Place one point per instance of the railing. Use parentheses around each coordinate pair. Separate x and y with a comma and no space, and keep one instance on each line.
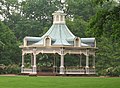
(79,71)
(70,70)
(26,70)
(92,71)
(74,71)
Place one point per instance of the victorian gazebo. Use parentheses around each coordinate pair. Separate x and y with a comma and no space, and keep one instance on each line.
(59,40)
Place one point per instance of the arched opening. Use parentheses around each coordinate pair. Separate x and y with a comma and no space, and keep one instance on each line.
(47,41)
(57,18)
(77,42)
(61,18)
(48,64)
(75,64)
(27,63)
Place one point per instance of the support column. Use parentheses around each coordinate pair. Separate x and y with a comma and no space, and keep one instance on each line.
(87,64)
(22,67)
(94,72)
(34,64)
(94,61)
(62,68)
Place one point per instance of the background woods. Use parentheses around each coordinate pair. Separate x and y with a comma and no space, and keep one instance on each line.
(85,18)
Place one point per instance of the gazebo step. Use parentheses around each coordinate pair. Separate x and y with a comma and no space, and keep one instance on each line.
(31,74)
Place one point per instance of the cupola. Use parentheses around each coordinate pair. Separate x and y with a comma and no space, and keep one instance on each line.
(59,17)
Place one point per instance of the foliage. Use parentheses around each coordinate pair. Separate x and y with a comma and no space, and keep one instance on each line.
(111,71)
(82,8)
(9,51)
(78,26)
(85,18)
(10,69)
(105,26)
(31,18)
(106,20)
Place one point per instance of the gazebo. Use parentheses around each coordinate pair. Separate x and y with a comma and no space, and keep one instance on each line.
(59,40)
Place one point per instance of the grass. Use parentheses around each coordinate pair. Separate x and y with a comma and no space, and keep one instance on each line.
(58,82)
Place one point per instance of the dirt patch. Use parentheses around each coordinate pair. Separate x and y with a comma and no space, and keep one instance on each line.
(8,75)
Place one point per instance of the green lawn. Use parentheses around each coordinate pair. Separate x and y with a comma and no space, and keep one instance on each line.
(58,82)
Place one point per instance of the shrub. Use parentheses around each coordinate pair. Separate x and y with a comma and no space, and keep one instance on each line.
(113,71)
(10,69)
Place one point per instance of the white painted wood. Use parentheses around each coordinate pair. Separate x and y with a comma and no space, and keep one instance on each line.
(22,60)
(62,64)
(94,61)
(87,61)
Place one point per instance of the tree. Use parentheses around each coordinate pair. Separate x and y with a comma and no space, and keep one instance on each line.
(85,18)
(34,18)
(31,18)
(78,14)
(83,8)
(9,52)
(106,28)
(77,26)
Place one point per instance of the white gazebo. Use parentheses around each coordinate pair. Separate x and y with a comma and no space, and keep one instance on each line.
(59,40)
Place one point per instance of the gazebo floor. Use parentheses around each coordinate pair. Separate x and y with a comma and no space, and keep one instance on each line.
(56,74)
(67,72)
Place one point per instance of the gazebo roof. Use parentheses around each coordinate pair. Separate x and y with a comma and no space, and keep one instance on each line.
(59,34)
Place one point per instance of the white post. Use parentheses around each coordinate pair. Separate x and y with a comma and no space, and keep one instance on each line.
(87,64)
(87,61)
(34,63)
(94,61)
(54,64)
(93,64)
(22,67)
(62,65)
(25,42)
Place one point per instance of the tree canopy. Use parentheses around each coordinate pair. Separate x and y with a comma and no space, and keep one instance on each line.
(9,51)
(85,18)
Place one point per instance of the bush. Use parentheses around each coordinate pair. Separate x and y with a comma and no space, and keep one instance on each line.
(10,69)
(113,71)
(101,72)
(2,67)
(116,71)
